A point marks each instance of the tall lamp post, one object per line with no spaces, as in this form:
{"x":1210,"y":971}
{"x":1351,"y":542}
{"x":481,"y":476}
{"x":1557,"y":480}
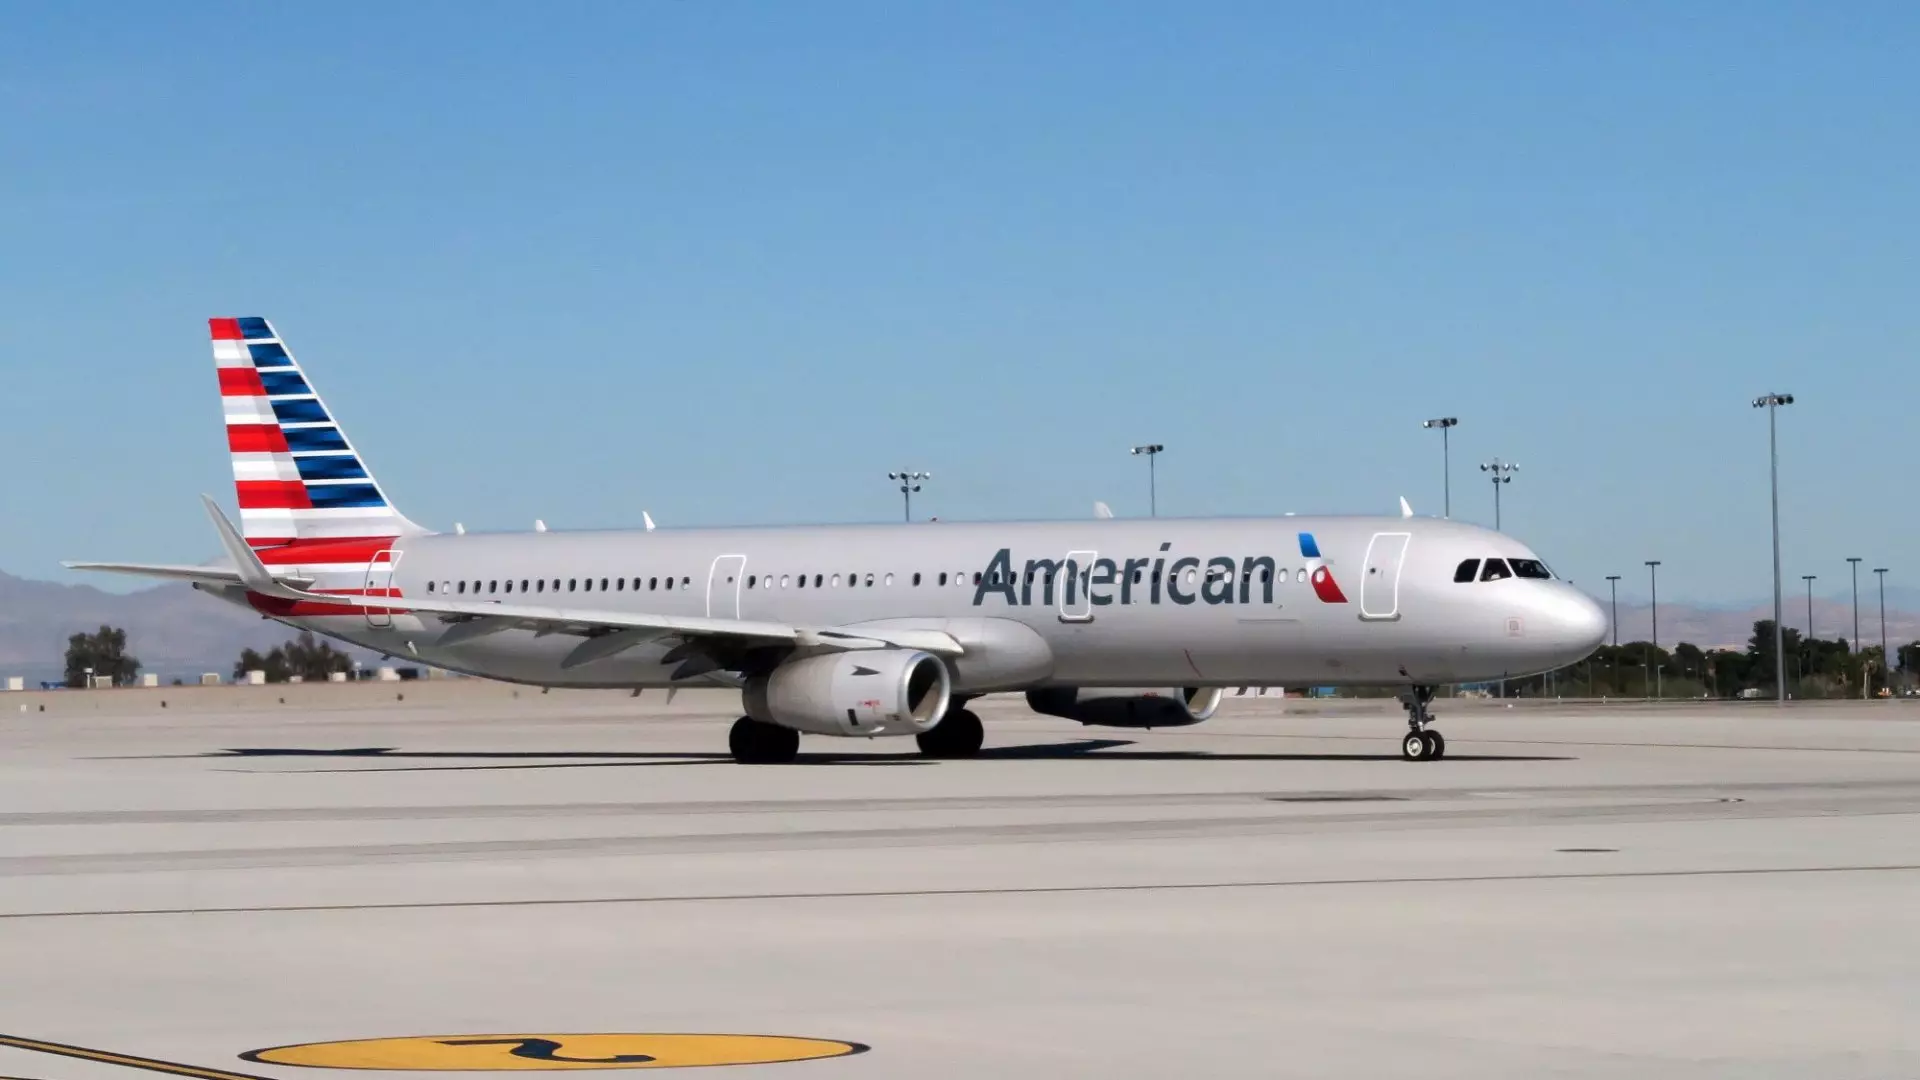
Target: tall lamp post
{"x":1886,"y":662}
{"x":1502,"y":473}
{"x":909,"y":483}
{"x":1613,"y":583}
{"x":1772,"y":403}
{"x":1855,"y":561}
{"x":1445,"y":423}
{"x":1809,"y":579}
{"x":1151,"y":450}
{"x":1653,"y":576}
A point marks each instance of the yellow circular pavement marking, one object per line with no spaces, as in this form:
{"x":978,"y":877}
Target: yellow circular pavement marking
{"x":496,"y":1053}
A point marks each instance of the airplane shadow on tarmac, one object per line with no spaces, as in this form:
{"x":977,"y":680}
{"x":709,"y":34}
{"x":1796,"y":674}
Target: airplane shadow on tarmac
{"x":1082,"y":750}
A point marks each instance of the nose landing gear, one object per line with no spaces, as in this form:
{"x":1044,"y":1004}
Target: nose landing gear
{"x":1422,"y":742}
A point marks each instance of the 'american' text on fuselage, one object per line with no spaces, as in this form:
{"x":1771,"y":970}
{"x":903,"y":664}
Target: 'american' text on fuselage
{"x":1225,"y":581}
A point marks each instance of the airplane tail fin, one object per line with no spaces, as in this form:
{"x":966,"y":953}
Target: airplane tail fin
{"x":297,"y":478}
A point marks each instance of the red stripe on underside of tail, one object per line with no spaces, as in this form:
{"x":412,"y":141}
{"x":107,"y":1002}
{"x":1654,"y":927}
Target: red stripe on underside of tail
{"x":241,"y":382}
{"x":224,"y":329}
{"x":343,"y":551}
{"x":256,"y":439}
{"x":272,"y":495}
{"x":279,"y":608}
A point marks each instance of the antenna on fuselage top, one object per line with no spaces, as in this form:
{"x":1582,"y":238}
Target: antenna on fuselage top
{"x":459,"y":529}
{"x":1102,"y":510}
{"x":648,"y":518}
{"x":539,"y":526}
{"x":1406,"y":511}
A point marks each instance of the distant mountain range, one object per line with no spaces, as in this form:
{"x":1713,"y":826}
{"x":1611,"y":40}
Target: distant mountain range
{"x":175,"y":631}
{"x":179,"y":633}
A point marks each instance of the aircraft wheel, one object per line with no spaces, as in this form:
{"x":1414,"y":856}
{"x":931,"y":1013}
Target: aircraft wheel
{"x":1415,"y":746}
{"x":957,"y":735}
{"x":1438,"y":745}
{"x":756,"y":743}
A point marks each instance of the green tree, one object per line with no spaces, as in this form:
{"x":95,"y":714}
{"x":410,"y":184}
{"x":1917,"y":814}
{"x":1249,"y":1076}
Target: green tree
{"x":314,"y":660}
{"x":305,"y":656}
{"x":105,"y":652}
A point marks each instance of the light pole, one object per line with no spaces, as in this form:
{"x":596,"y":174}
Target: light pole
{"x":1445,"y":423}
{"x":1653,"y":576}
{"x":909,"y":483}
{"x":1855,"y":560}
{"x":1152,"y":450}
{"x":1809,"y":579}
{"x":1772,"y":403}
{"x":1613,"y":584}
{"x":1502,"y":473}
{"x":1886,"y":662}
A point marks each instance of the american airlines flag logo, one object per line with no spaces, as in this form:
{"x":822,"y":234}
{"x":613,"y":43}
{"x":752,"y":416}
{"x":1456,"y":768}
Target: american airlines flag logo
{"x":1324,"y":587}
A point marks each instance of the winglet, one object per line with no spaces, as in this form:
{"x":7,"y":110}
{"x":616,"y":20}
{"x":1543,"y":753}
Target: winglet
{"x":1406,"y":511}
{"x":1102,"y":510}
{"x":253,"y":572}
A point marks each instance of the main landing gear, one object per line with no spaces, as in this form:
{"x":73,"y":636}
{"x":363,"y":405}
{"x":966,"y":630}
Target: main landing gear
{"x":1422,"y":742}
{"x":757,"y":743}
{"x":957,"y":735}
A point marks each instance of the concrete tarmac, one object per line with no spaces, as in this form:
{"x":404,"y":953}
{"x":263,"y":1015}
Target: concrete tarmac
{"x":1576,"y":891}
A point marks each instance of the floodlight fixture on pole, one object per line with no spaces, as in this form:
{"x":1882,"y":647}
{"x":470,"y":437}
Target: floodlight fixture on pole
{"x":1772,"y":403}
{"x":1502,"y":473}
{"x":1445,"y":423}
{"x":909,"y":483}
{"x":1151,"y":450}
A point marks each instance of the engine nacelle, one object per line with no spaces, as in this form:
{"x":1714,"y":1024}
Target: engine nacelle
{"x":868,"y":692}
{"x":1128,"y":707}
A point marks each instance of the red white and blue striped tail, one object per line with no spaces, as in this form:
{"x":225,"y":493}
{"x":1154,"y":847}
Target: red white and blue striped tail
{"x":298,"y":479}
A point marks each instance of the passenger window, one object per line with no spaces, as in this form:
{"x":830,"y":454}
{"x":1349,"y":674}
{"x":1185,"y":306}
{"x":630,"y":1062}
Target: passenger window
{"x":870,"y":580}
{"x":669,"y":583}
{"x":587,"y":585}
{"x":493,"y":587}
{"x":916,"y":579}
{"x":889,"y":580}
{"x":943,"y":577}
{"x":818,"y":579}
{"x":834,"y":581}
{"x":1495,"y":570}
{"x":573,"y":584}
{"x":541,"y":585}
{"x":429,"y":588}
{"x":752,"y":580}
{"x":1530,"y":568}
{"x":603,"y":584}
{"x":1467,"y":570}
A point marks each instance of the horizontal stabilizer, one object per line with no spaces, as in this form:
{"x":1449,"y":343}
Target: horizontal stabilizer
{"x":214,"y":574}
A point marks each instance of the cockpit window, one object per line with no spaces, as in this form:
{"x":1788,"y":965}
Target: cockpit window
{"x":1496,"y":570}
{"x":1467,"y":570}
{"x":1531,"y":568}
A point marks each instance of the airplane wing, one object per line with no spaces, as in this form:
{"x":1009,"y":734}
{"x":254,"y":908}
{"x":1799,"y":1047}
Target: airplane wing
{"x":606,"y":632}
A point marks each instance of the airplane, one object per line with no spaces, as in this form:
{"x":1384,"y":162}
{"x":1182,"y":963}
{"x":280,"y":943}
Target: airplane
{"x":860,"y":631}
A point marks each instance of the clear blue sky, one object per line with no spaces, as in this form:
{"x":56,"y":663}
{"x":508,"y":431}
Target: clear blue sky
{"x":731,"y":262}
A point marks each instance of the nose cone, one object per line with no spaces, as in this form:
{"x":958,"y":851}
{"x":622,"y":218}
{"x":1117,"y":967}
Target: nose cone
{"x":1579,"y":625}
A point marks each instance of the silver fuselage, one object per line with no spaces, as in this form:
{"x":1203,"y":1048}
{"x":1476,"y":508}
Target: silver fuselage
{"x":1188,"y":602}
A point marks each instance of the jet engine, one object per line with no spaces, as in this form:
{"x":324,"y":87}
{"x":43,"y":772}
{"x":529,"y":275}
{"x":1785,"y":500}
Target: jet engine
{"x":1128,"y":707}
{"x":867,"y":692}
